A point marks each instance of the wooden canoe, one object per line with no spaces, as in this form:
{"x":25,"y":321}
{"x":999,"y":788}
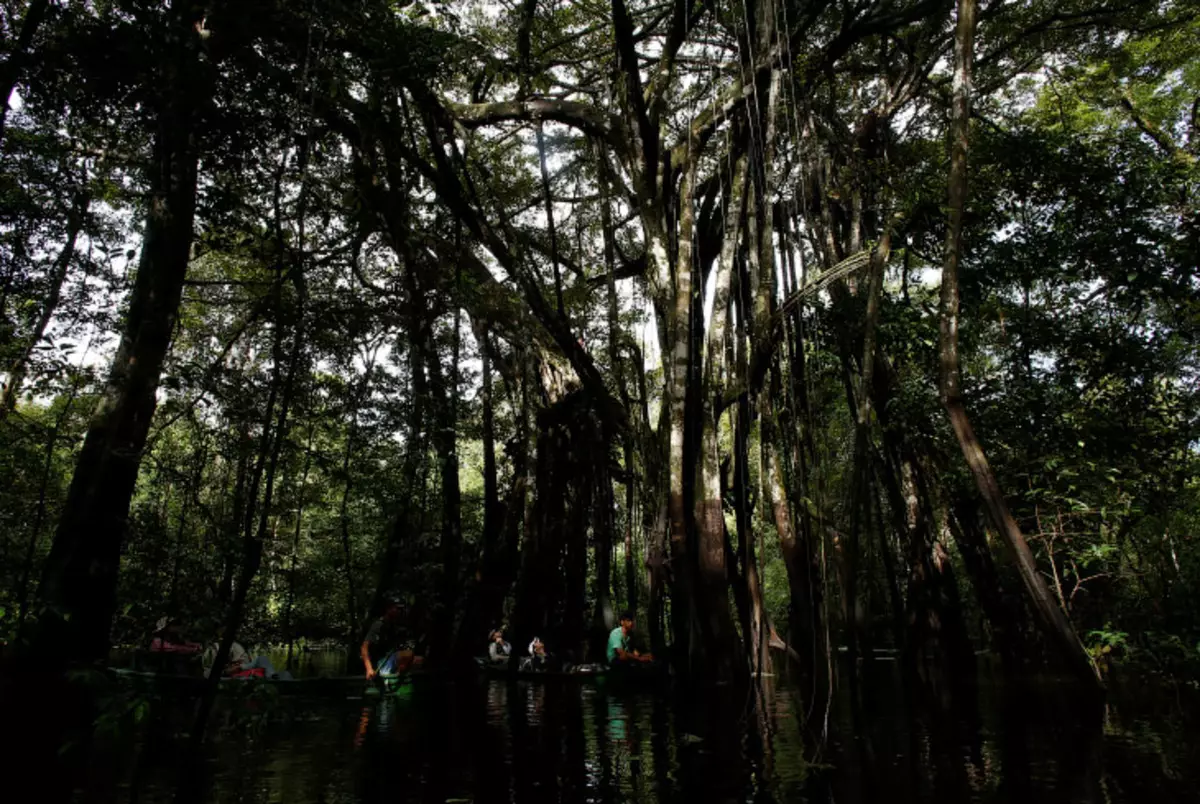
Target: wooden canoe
{"x":320,"y":686}
{"x":585,"y":674}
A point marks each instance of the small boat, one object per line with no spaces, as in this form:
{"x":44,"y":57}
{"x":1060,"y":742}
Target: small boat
{"x":320,"y":686}
{"x":581,"y":673}
{"x":524,"y":672}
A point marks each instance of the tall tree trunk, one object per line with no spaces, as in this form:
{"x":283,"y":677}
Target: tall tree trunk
{"x":889,"y":563}
{"x":58,"y":276}
{"x":290,"y":607}
{"x":709,"y":508}
{"x":352,"y":597}
{"x":1050,"y":615}
{"x":501,"y":525}
{"x":478,"y":609}
{"x":352,"y":627}
{"x":445,"y":442}
{"x":405,"y":516}
{"x":800,"y":583}
{"x":802,"y":561}
{"x":191,"y":492}
{"x":572,"y":635}
{"x":755,"y":625}
{"x":617,"y":368}
{"x":603,"y":617}
{"x":656,"y":517}
{"x":861,"y":482}
{"x":539,"y":596}
{"x":77,"y":596}
{"x":677,"y":366}
{"x":231,"y":537}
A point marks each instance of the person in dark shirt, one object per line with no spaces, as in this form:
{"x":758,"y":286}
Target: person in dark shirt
{"x":387,"y":649}
{"x":498,"y":649}
{"x":538,"y":660}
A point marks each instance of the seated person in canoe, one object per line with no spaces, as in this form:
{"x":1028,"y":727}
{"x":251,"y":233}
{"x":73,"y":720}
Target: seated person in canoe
{"x":620,"y":652}
{"x":241,"y":663}
{"x":498,"y":649}
{"x":537,"y":654}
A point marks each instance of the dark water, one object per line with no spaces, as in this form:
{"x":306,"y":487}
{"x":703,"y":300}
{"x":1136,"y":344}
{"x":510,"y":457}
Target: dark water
{"x":485,"y":742}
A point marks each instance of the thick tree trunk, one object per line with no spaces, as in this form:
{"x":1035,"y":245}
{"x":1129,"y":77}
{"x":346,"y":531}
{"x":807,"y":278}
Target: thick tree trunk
{"x":77,"y":596}
{"x":493,"y":574}
{"x":1050,"y":614}
{"x":677,"y":358}
{"x":539,"y":600}
{"x":654,"y":513}
{"x":709,"y":508}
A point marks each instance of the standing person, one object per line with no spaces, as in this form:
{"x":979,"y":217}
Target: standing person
{"x":498,"y":649}
{"x":619,"y":653}
{"x":387,"y":648}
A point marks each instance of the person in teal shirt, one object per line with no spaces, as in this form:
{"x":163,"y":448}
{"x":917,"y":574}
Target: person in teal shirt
{"x":618,"y":652}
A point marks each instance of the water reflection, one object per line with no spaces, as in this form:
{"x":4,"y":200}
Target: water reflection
{"x":530,"y":742}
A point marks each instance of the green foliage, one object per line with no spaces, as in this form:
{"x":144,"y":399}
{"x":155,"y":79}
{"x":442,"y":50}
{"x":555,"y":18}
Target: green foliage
{"x":339,"y":199}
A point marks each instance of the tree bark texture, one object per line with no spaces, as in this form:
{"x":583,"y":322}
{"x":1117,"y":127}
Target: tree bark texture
{"x":1050,"y":615}
{"x":77,"y":596}
{"x":445,"y":443}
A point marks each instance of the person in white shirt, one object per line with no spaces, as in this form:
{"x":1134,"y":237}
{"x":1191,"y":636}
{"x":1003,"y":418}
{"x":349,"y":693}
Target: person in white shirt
{"x":240,"y":661}
{"x":537,"y":654}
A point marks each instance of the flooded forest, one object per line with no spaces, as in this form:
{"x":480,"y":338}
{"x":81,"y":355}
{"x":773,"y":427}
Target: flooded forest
{"x":609,"y":401}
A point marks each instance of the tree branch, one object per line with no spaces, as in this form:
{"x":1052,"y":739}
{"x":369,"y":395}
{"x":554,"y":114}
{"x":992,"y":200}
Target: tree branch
{"x":582,"y":116}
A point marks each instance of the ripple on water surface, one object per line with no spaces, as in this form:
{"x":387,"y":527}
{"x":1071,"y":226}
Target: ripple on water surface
{"x":532,"y":742}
